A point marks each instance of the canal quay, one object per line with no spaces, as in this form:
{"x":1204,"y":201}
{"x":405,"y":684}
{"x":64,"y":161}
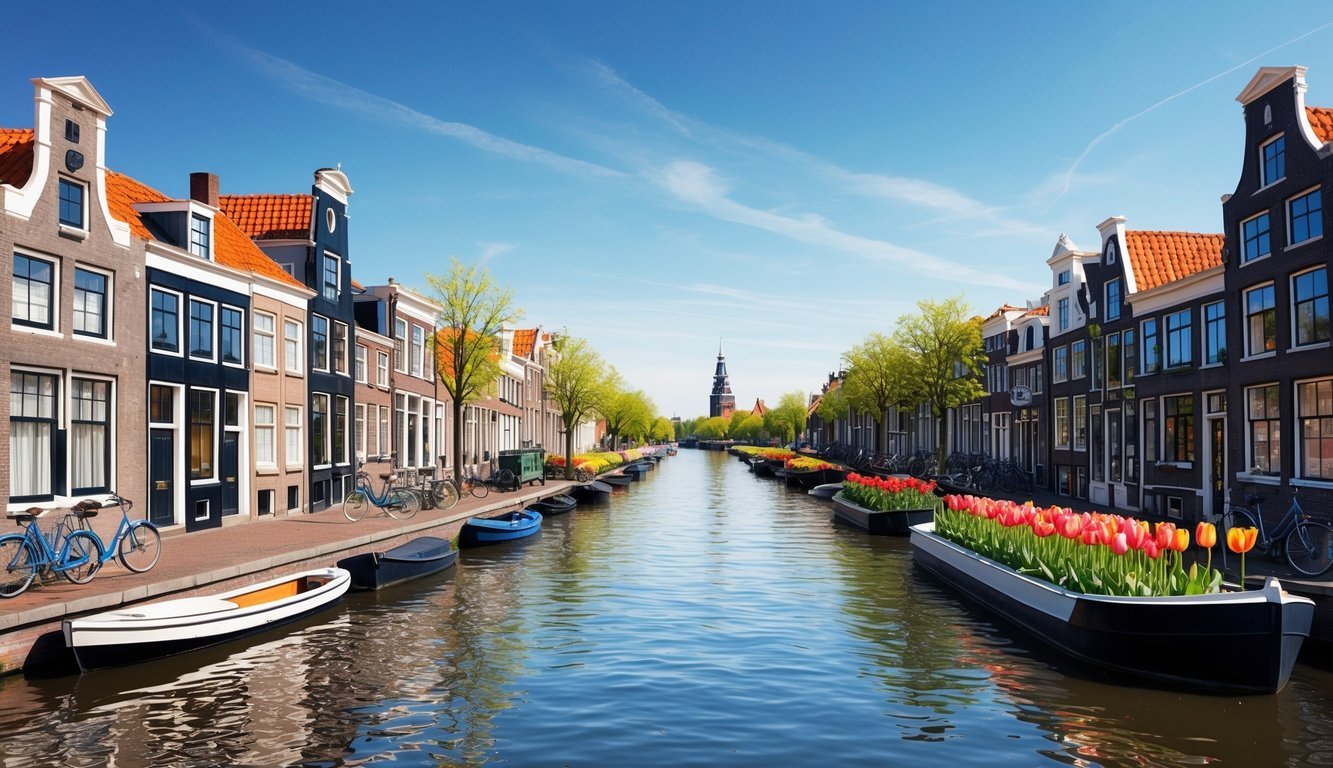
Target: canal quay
{"x":702,"y":616}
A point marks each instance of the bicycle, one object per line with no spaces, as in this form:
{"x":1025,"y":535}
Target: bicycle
{"x":503,"y":481}
{"x":1307,"y":544}
{"x":472,"y":483}
{"x":72,"y":553}
{"x":396,"y":502}
{"x":137,"y":543}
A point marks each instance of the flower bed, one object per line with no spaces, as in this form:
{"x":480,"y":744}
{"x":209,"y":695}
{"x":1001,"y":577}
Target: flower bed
{"x":807,"y":464}
{"x":883,"y":494}
{"x":592,"y":463}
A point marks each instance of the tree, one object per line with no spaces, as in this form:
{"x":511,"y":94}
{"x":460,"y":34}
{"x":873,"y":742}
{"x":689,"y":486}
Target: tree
{"x":787,"y":420}
{"x":737,"y":419}
{"x":576,"y":382}
{"x":662,"y":430}
{"x":474,"y":311}
{"x":628,"y":414}
{"x":712,"y":429}
{"x":878,"y":379}
{"x":687,"y":427}
{"x":750,"y":428}
{"x":947,"y":359}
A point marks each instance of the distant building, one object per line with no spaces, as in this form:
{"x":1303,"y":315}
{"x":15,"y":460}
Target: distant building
{"x":721,"y":402}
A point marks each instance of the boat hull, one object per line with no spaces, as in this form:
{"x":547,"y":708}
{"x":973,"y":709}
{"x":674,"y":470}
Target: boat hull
{"x":616,"y":479}
{"x":592,"y":493}
{"x":416,"y":559}
{"x":1235,"y":642}
{"x":825,"y":491}
{"x":479,"y":532}
{"x":896,"y":522}
{"x":154,"y":630}
{"x":555,"y":505}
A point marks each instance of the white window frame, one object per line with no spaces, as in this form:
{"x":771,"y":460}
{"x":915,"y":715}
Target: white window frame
{"x":1243,"y":253}
{"x":270,"y":334}
{"x":217,"y":434}
{"x":359,"y":426}
{"x":381,"y":368}
{"x":328,"y":344}
{"x":1079,"y":440}
{"x":266,"y":431}
{"x":295,"y":341}
{"x":341,"y":456}
{"x":1250,"y":352}
{"x":328,"y":427}
{"x":400,"y":345}
{"x":1292,"y":242}
{"x":293,"y":437}
{"x":189,"y":321}
{"x":1062,"y":422}
{"x":359,"y":361}
{"x":1263,"y":162}
{"x":239,"y":340}
{"x":339,"y":361}
{"x":182,"y":308}
{"x":108,"y":315}
{"x":1291,"y":297}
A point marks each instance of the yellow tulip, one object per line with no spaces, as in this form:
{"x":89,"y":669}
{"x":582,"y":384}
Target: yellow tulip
{"x":1241,"y":540}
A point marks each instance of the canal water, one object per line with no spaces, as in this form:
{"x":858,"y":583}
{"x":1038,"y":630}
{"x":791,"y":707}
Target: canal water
{"x":701,"y":617}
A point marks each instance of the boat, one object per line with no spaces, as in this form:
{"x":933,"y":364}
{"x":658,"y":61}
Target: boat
{"x":555,"y":505}
{"x":809,"y":478}
{"x":419,"y":557}
{"x":480,"y":531}
{"x":140,"y":632}
{"x":761,"y":467}
{"x":617,"y":479}
{"x":894,"y":522}
{"x":634,"y":471}
{"x":592,"y":493}
{"x":825,"y":491}
{"x":1233,"y":642}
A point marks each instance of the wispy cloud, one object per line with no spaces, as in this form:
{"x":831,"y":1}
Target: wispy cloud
{"x":492,"y":250}
{"x":334,"y":93}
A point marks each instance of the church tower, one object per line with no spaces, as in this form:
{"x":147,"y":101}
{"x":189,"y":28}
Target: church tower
{"x":721,"y":402}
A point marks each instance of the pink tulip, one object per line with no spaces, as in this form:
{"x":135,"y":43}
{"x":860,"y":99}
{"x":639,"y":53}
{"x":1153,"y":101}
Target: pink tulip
{"x":1119,"y":545}
{"x":1135,"y":533}
{"x":1151,"y":549}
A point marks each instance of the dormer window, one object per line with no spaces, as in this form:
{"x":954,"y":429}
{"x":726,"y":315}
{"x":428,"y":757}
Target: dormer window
{"x":201,"y":229}
{"x":1273,"y":160}
{"x":1062,"y":278}
{"x":1031,"y":340}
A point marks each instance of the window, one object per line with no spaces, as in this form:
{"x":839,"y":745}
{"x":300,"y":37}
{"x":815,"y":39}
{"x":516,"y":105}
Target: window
{"x":1131,"y":356}
{"x":1264,"y":428}
{"x":340,"y":406}
{"x":1179,"y":341}
{"x":1113,"y":299}
{"x":1062,"y":278}
{"x":292,"y":451}
{"x":71,"y":204}
{"x":1061,"y":423}
{"x":34,"y":292}
{"x":266,"y":445}
{"x":382,"y":444}
{"x":161,"y":404}
{"x":165,"y":321}
{"x":90,"y":435}
{"x":418,"y":347}
{"x":1254,"y":232}
{"x":90,"y":307}
{"x":1152,"y":347}
{"x":360,"y":428}
{"x":291,"y":346}
{"x":330,"y":273}
{"x":1060,"y":365}
{"x":319,"y":342}
{"x":203,"y":424}
{"x":382,"y":369}
{"x":1314,"y":406}
{"x":1078,"y":360}
{"x":263,"y":340}
{"x":201,"y":329}
{"x":32,"y":426}
{"x":200,"y":235}
{"x":232,"y":344}
{"x":340,"y":347}
{"x":1214,"y":333}
{"x":1260,"y":320}
{"x":359,"y":367}
{"x":1309,"y":296}
{"x":1080,"y":422}
{"x":1272,"y":160}
{"x":1150,"y":430}
{"x":1113,"y":367}
{"x":1305,"y":217}
{"x":1030,"y":338}
{"x":1178,"y":428}
{"x":1062,"y":314}
{"x":1037,"y":378}
{"x":319,"y":429}
{"x":400,"y":345}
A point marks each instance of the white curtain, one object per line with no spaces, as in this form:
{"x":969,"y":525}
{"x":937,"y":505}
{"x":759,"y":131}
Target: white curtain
{"x":29,"y":458}
{"x":89,"y":456}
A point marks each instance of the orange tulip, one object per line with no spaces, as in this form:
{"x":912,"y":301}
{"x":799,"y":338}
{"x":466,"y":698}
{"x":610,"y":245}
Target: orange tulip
{"x":1241,"y":540}
{"x":1181,"y":541}
{"x":1205,"y":534}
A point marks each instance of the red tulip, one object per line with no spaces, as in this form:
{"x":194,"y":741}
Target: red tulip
{"x":1042,"y":527}
{"x":1135,"y":533}
{"x":1166,"y":533}
{"x":1119,"y":544}
{"x":1151,"y":549}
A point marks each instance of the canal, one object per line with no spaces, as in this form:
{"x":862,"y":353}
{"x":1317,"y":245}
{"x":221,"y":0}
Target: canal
{"x":702,"y":617}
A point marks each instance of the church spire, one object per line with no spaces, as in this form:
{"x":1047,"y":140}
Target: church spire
{"x":721,"y":402}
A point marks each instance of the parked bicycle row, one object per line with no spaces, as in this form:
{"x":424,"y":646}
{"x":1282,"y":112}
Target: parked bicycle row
{"x":404,"y":492}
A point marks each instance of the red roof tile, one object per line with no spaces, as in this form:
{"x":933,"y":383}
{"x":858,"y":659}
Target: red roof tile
{"x":270,"y":217}
{"x":1321,"y":120}
{"x":1003,"y":308}
{"x":1159,"y":258}
{"x":1043,"y":311}
{"x":524,"y":338}
{"x":15,"y":156}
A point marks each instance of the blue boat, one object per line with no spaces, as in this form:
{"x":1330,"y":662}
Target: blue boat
{"x":480,"y":531}
{"x":419,"y":557}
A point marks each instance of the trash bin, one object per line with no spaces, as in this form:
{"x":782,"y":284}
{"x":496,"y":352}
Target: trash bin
{"x":525,"y":463}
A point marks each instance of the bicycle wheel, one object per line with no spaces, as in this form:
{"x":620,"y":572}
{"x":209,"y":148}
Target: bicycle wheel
{"x":506,"y":480}
{"x":354,"y":506}
{"x":1308,"y":548}
{"x":444,"y":494}
{"x":403,"y":504}
{"x":582,"y":475}
{"x":140,"y":547}
{"x":83,"y":557}
{"x":18,"y":562}
{"x":479,"y":489}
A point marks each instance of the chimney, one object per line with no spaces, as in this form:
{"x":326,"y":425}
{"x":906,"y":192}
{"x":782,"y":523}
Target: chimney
{"x":204,"y":188}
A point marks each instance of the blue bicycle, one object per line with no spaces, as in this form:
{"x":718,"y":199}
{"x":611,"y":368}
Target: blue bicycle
{"x":399,"y":503}
{"x":72,"y":553}
{"x":137,"y":543}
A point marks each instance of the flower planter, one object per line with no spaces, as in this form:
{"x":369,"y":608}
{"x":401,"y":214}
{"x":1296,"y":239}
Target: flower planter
{"x":1243,"y":642}
{"x":894,"y":522}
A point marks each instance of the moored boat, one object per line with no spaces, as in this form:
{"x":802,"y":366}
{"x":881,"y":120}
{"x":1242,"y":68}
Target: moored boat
{"x":419,"y":557}
{"x":592,"y":493}
{"x":825,"y":491}
{"x":634,"y":471}
{"x":893,"y":522}
{"x":555,"y":505}
{"x":480,"y":531}
{"x":617,"y":479}
{"x":145,"y":631}
{"x":1244,"y":642}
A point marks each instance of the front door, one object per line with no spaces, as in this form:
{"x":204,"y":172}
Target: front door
{"x":162,"y":477}
{"x":230,"y":461}
{"x":1217,"y":480}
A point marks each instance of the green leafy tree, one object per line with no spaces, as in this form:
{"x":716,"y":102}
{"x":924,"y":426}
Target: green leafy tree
{"x":687,"y":427}
{"x":833,"y":404}
{"x":714,"y":428}
{"x":750,"y":429}
{"x":947,"y":359}
{"x":879,"y":378}
{"x":576,"y":383}
{"x":467,"y":339}
{"x":787,"y":419}
{"x":737,"y":419}
{"x":627,"y":414}
{"x":662,"y":430}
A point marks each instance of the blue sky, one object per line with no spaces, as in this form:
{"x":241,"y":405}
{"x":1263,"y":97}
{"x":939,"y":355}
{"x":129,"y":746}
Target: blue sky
{"x":655,"y":177}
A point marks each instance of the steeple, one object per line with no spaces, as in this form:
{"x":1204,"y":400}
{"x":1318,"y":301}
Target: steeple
{"x":721,"y":402}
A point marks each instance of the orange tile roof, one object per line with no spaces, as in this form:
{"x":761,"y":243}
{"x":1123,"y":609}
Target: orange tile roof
{"x":759,"y":409}
{"x":524,"y":339}
{"x":231,"y":247}
{"x":1321,"y":120}
{"x":1159,"y":258}
{"x":1003,"y":308}
{"x":1043,"y":311}
{"x":270,"y":217}
{"x":15,"y":155}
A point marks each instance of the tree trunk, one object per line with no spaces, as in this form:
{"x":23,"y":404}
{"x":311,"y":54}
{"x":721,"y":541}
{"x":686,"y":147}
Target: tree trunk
{"x":458,"y":443}
{"x":882,"y":433}
{"x":941,"y":438}
{"x":569,"y":451}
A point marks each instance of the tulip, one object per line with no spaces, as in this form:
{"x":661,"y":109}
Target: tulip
{"x":1240,"y":541}
{"x":1166,"y":533}
{"x":1119,"y":545}
{"x":1182,"y":540}
{"x":1136,"y":534}
{"x":1205,"y":534}
{"x":1042,"y":527}
{"x":1151,"y":549}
